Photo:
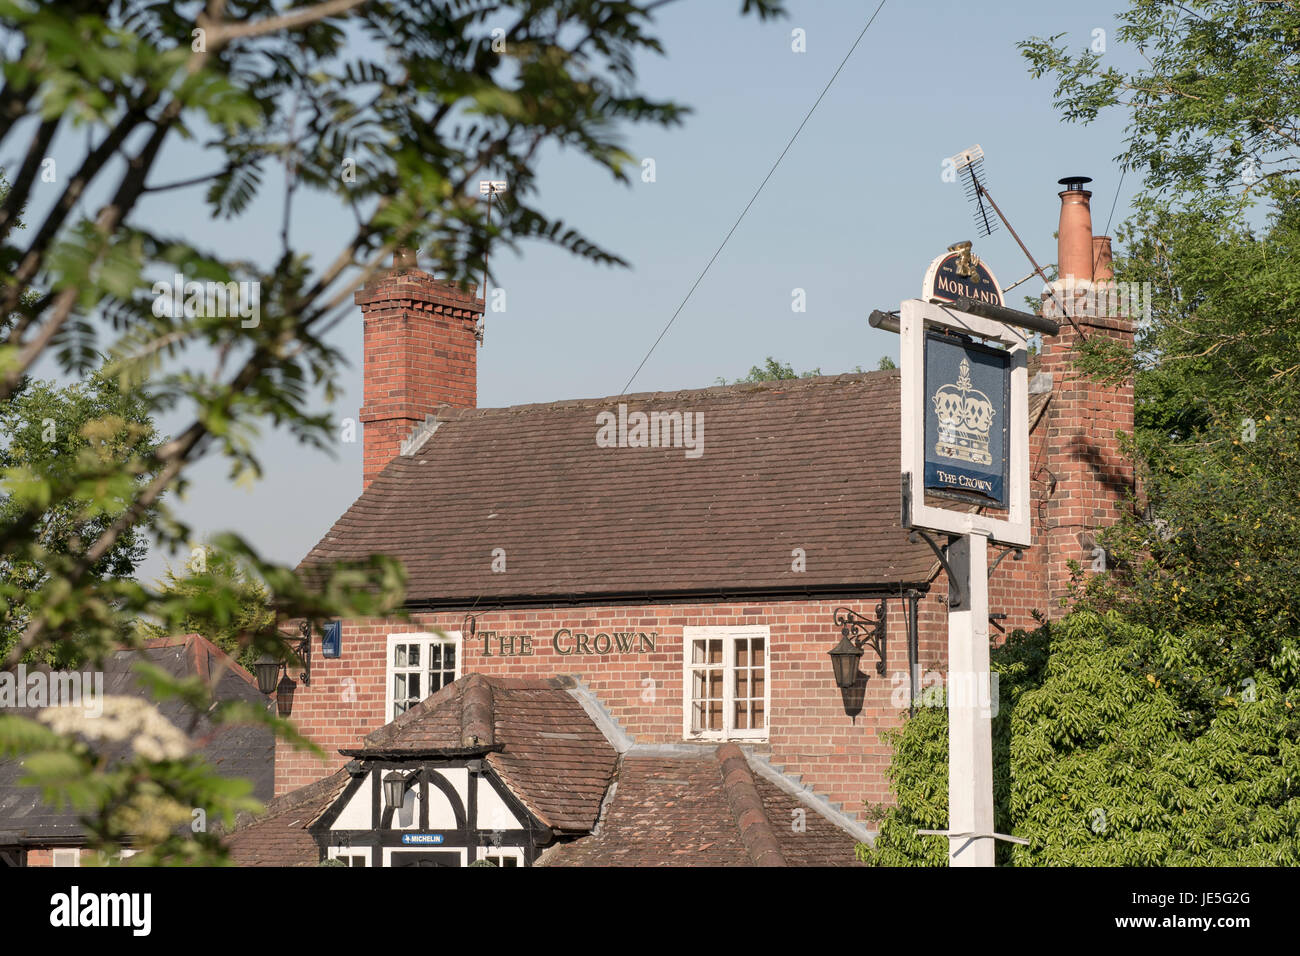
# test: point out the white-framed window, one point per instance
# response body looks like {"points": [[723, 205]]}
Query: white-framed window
{"points": [[350, 856], [66, 858], [503, 857], [725, 682], [419, 665]]}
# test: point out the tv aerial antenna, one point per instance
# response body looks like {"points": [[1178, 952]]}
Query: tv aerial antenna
{"points": [[969, 164], [488, 188]]}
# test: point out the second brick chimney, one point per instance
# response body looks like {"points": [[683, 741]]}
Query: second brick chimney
{"points": [[1085, 471], [420, 351]]}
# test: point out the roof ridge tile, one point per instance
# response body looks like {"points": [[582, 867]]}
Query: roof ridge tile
{"points": [[747, 807]]}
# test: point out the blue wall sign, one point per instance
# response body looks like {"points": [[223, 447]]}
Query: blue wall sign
{"points": [[421, 839], [331, 642], [967, 414]]}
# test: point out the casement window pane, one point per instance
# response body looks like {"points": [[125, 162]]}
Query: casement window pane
{"points": [[742, 653], [706, 715], [413, 655], [742, 683], [760, 718], [697, 652], [435, 656], [449, 658], [742, 715], [757, 646], [399, 708], [698, 716], [715, 651], [510, 861], [399, 687], [757, 682], [413, 682], [707, 685], [399, 655]]}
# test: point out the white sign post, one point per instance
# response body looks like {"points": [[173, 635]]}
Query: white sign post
{"points": [[970, 695]]}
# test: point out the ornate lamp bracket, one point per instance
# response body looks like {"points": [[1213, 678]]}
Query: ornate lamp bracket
{"points": [[303, 650], [861, 631]]}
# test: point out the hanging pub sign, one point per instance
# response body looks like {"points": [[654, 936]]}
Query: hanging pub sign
{"points": [[959, 273], [967, 418], [965, 431]]}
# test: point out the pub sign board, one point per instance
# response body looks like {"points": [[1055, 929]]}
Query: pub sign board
{"points": [[959, 273], [965, 423], [967, 419]]}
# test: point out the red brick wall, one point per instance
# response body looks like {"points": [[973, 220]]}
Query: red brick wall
{"points": [[41, 856], [1091, 471], [420, 352], [1017, 588], [810, 733]]}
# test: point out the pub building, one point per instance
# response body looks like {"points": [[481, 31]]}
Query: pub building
{"points": [[623, 608]]}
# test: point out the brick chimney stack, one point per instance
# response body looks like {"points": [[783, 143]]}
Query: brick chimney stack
{"points": [[420, 351], [1085, 470]]}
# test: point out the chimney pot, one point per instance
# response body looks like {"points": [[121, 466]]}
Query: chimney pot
{"points": [[1102, 271], [1074, 235], [404, 259]]}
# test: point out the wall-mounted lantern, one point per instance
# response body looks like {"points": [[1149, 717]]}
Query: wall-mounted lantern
{"points": [[855, 632], [267, 670], [395, 789], [284, 696]]}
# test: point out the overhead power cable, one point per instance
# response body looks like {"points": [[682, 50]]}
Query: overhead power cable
{"points": [[752, 198]]}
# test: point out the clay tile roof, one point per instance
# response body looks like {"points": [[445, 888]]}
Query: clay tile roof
{"points": [[552, 757], [706, 810], [541, 742], [279, 837], [804, 463]]}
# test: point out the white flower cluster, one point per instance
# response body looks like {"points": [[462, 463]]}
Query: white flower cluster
{"points": [[150, 734]]}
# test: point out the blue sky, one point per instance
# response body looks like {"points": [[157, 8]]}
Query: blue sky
{"points": [[853, 216]]}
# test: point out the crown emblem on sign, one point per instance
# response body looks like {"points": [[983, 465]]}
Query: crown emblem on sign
{"points": [[965, 416]]}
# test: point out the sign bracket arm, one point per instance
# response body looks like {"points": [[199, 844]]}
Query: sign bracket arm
{"points": [[954, 586]]}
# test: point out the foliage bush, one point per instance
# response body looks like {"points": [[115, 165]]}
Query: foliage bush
{"points": [[1112, 748]]}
